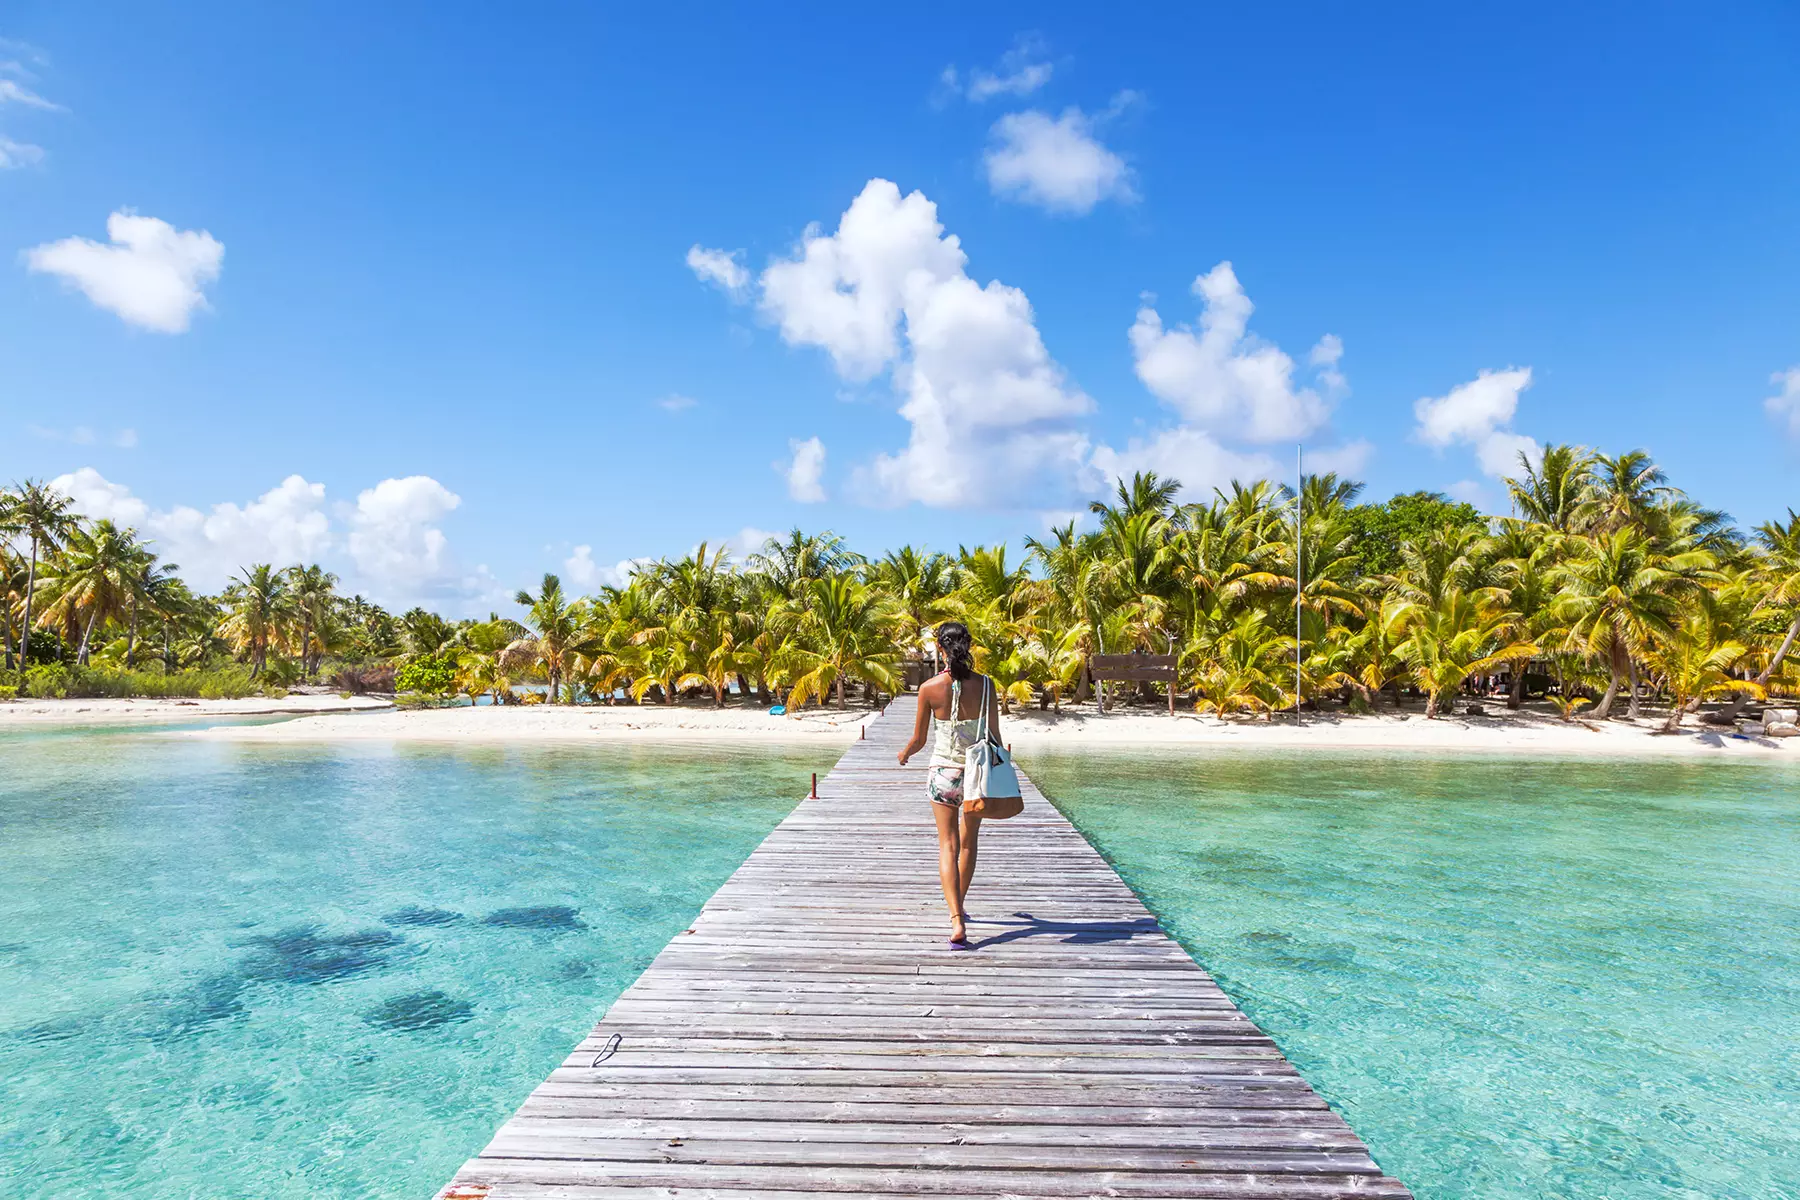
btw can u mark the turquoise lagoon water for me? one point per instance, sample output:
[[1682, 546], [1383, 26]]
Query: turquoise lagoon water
[[230, 971], [1517, 980]]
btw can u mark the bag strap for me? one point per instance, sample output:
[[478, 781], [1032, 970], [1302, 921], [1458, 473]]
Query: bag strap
[[955, 700], [986, 683]]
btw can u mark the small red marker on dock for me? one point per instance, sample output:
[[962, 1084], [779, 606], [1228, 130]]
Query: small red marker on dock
[[814, 795]]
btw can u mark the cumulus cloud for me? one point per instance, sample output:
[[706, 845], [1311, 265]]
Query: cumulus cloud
[[1225, 379], [387, 544], [1479, 414], [394, 533], [586, 575], [151, 274], [720, 267], [805, 471], [1057, 163], [1784, 406], [990, 410], [1022, 70], [18, 154]]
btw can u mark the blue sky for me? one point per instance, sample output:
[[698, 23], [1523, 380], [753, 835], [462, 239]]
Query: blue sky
[[434, 260]]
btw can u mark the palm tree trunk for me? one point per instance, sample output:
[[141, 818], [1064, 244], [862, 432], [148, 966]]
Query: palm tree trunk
[[25, 628], [1515, 696], [87, 632], [719, 693], [131, 638], [1632, 710], [1603, 710], [1762, 678], [1431, 705], [840, 691]]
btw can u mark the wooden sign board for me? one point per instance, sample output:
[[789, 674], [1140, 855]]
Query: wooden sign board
[[1136, 668]]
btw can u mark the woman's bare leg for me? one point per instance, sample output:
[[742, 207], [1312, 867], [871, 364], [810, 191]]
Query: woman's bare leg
[[949, 855], [965, 862]]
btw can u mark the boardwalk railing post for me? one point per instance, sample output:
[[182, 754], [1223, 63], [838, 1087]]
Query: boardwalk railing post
[[814, 794]]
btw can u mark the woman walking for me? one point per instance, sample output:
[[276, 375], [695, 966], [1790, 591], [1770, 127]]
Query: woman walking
[[954, 699]]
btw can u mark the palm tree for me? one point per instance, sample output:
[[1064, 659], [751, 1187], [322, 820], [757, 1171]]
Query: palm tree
[[1244, 668], [314, 591], [1696, 665], [93, 581], [1459, 636], [845, 634], [482, 667], [1616, 592], [1779, 575], [47, 518], [559, 632], [258, 608], [1552, 492], [152, 586]]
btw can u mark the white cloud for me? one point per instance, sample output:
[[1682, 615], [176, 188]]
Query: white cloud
[[18, 154], [1022, 70], [806, 472], [719, 267], [990, 410], [13, 92], [675, 402], [388, 545], [1225, 379], [587, 575], [125, 439], [1055, 162], [1469, 491], [747, 541], [1185, 453], [1784, 406], [1479, 413], [1347, 461], [151, 275], [394, 534]]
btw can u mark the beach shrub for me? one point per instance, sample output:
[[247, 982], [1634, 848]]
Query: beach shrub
[[362, 678], [8, 691], [58, 681], [433, 674]]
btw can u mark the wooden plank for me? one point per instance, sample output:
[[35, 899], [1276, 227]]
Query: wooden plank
[[811, 1036]]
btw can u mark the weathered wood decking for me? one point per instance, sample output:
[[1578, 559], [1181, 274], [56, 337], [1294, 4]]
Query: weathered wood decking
[[813, 1036]]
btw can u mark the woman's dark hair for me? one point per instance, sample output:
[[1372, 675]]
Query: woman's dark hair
[[954, 643]]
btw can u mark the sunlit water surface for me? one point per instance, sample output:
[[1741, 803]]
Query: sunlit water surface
[[1517, 980], [308, 971]]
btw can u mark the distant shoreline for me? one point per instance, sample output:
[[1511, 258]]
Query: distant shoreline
[[1526, 733], [49, 714]]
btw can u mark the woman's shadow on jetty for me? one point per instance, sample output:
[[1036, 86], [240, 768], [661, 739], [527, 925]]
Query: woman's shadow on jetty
[[1081, 933]]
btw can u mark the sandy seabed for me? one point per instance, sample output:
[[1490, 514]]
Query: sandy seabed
[[1526, 732]]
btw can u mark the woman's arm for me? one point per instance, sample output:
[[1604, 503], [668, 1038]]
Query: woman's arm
[[921, 727]]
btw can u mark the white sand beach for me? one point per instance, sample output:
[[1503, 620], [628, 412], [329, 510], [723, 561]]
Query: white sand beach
[[21, 714], [1526, 732], [538, 722]]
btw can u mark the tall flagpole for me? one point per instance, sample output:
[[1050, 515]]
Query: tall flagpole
[[1299, 568]]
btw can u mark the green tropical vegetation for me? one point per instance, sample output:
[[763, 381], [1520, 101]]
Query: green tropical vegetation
[[1607, 592]]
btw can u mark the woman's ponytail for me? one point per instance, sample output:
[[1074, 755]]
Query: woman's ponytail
[[955, 645]]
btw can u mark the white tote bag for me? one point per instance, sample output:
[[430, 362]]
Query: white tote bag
[[990, 782]]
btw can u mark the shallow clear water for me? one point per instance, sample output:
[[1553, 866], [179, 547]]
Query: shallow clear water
[[1515, 979], [237, 971]]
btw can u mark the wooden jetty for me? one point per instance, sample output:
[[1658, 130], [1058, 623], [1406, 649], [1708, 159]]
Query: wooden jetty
[[813, 1036]]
